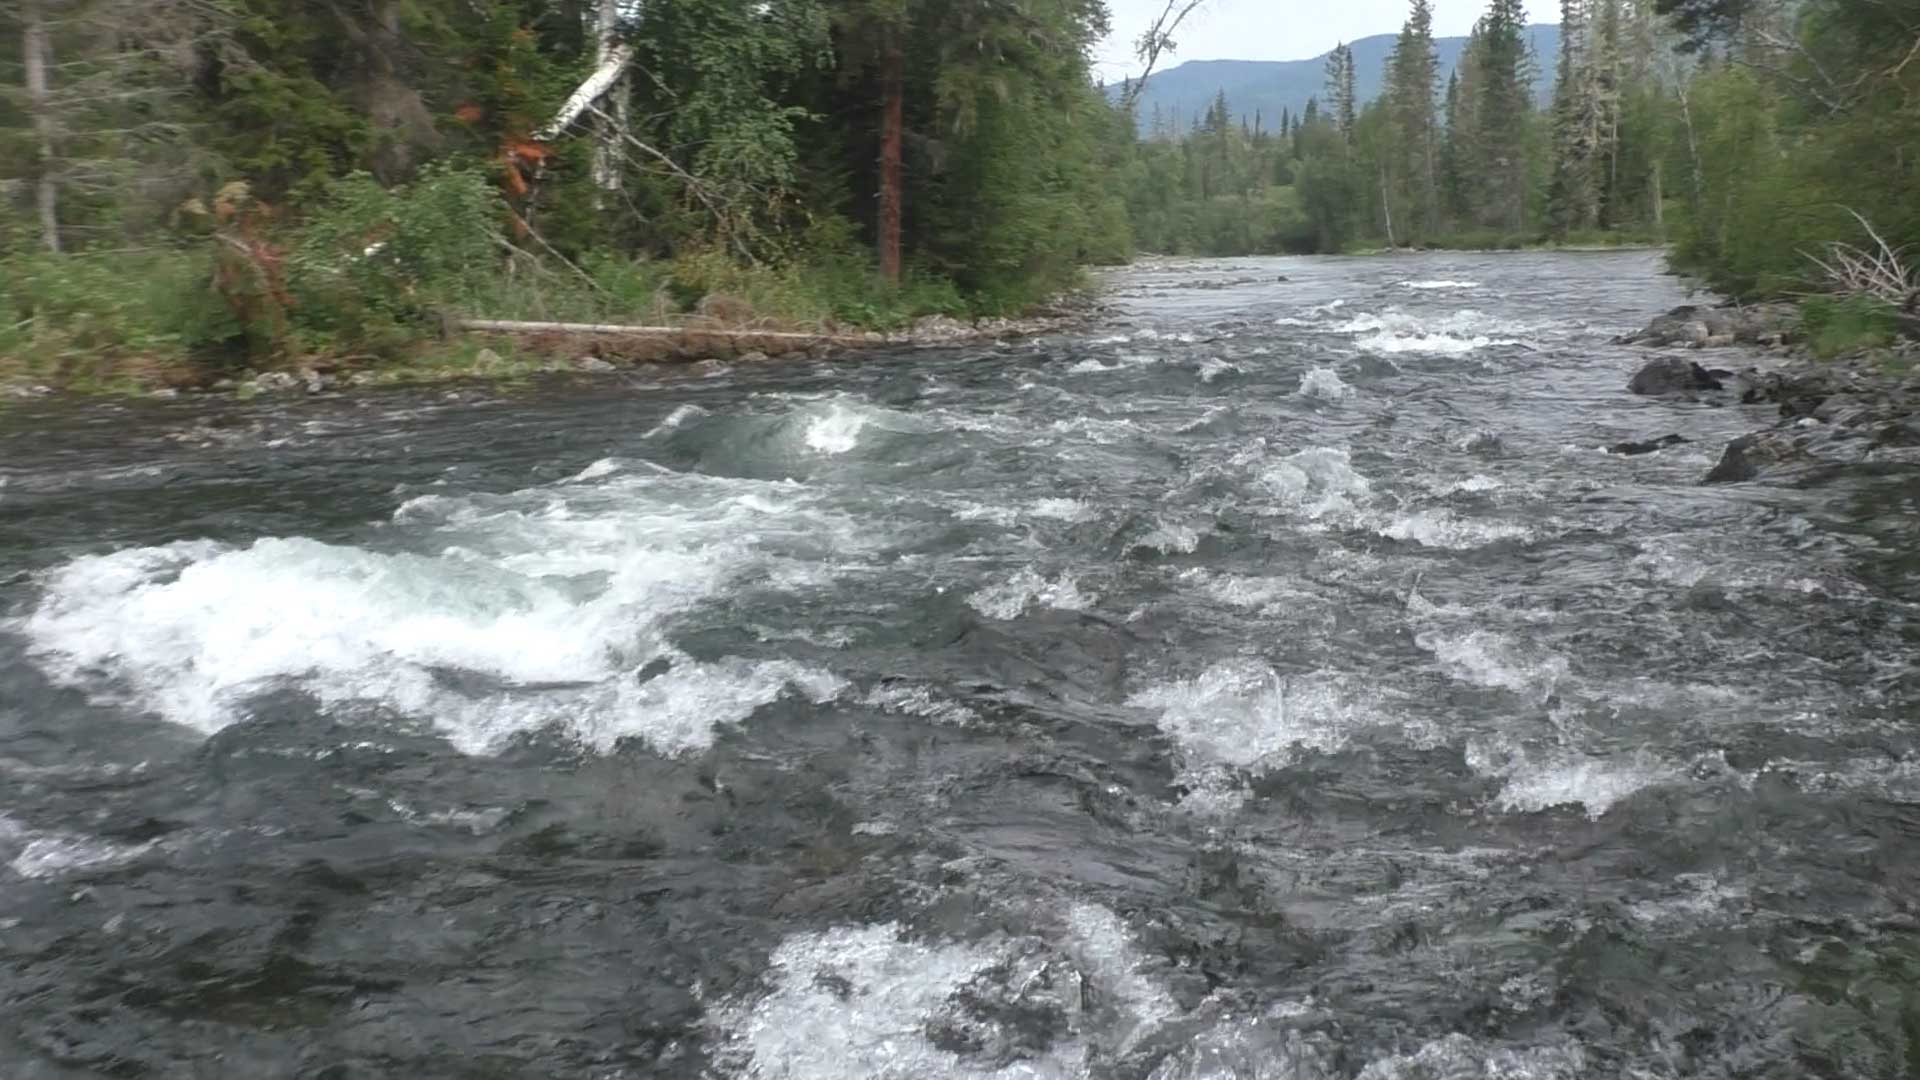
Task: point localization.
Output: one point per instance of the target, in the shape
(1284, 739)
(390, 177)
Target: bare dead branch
(1158, 40)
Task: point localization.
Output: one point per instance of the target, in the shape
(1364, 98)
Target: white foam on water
(1702, 899)
(675, 420)
(872, 1002)
(1098, 430)
(553, 597)
(603, 467)
(1325, 384)
(47, 855)
(1460, 1057)
(1251, 593)
(1214, 367)
(1477, 484)
(1456, 333)
(1440, 283)
(838, 431)
(1056, 509)
(1595, 784)
(1445, 529)
(1244, 715)
(1170, 538)
(1433, 344)
(1486, 658)
(920, 701)
(1314, 483)
(679, 712)
(1009, 599)
(855, 1002)
(1061, 510)
(1103, 952)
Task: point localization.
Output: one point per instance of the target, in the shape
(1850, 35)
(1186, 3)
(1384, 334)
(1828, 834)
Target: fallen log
(512, 326)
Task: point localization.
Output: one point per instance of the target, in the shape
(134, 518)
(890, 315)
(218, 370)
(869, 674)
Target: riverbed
(1276, 680)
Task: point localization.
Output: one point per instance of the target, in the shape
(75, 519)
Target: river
(1276, 681)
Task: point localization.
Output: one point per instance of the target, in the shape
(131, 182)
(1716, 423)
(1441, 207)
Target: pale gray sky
(1279, 29)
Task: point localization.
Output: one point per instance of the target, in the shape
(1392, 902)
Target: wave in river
(526, 611)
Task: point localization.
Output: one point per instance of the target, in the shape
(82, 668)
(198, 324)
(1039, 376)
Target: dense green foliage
(252, 181)
(319, 177)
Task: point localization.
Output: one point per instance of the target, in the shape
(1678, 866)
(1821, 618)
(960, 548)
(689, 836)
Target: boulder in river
(1746, 456)
(1672, 375)
(593, 364)
(1647, 446)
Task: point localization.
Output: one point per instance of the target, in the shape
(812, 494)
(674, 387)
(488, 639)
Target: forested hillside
(1260, 91)
(248, 182)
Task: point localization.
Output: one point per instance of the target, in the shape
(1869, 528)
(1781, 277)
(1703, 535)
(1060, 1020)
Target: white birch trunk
(46, 189)
(610, 129)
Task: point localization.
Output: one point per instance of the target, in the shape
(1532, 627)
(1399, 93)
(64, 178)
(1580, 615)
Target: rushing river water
(1273, 682)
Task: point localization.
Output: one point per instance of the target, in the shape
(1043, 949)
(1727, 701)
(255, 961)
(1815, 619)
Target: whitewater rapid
(1277, 680)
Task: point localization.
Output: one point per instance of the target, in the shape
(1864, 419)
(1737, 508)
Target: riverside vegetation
(197, 188)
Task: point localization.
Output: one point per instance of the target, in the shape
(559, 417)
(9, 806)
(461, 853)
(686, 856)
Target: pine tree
(1571, 199)
(1340, 89)
(1608, 71)
(1412, 77)
(1501, 116)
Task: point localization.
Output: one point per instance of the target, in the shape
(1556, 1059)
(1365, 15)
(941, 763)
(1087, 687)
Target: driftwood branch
(1880, 272)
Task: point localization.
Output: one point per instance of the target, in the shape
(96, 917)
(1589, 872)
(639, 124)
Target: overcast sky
(1278, 29)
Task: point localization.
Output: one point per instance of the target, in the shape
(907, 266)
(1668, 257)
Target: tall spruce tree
(1572, 203)
(1501, 116)
(1412, 78)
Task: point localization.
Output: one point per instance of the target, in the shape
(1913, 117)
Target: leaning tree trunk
(46, 189)
(892, 136)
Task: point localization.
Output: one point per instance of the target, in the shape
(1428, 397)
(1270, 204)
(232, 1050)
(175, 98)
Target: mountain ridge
(1264, 88)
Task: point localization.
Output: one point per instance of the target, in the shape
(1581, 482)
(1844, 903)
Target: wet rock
(315, 382)
(1648, 446)
(1696, 327)
(362, 378)
(754, 357)
(165, 393)
(592, 364)
(1746, 457)
(274, 382)
(1672, 375)
(1901, 432)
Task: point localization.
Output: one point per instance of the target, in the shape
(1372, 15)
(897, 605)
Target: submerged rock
(1746, 456)
(1648, 446)
(1672, 375)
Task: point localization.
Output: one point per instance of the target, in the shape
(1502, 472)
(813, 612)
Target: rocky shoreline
(1856, 410)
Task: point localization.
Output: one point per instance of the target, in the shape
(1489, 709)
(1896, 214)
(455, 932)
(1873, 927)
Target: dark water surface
(1273, 683)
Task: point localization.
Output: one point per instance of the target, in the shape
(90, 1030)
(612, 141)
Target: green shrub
(157, 305)
(1840, 324)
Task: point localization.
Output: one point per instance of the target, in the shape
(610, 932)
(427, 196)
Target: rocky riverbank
(496, 356)
(1858, 410)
